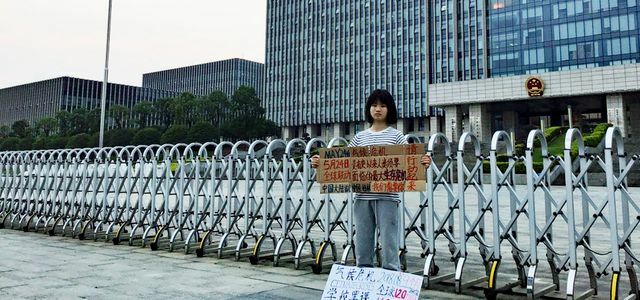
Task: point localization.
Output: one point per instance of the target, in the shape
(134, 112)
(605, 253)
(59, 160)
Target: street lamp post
(103, 102)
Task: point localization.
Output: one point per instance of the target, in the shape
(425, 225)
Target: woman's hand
(315, 161)
(426, 161)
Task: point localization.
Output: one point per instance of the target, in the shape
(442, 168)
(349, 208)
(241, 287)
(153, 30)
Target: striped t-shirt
(388, 136)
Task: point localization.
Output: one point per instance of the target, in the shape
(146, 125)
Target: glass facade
(457, 42)
(323, 58)
(226, 76)
(528, 36)
(36, 100)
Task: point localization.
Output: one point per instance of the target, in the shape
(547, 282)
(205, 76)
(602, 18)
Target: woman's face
(378, 111)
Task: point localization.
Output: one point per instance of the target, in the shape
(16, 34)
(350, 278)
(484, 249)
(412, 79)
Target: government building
(33, 101)
(453, 66)
(36, 100)
(224, 75)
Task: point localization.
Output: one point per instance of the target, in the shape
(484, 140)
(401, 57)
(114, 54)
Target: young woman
(371, 210)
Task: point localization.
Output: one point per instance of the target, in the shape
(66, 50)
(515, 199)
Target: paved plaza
(35, 266)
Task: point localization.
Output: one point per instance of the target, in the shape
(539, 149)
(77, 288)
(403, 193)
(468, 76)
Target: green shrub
(520, 167)
(553, 132)
(56, 142)
(519, 149)
(10, 144)
(201, 132)
(26, 143)
(94, 140)
(550, 134)
(594, 138)
(175, 134)
(40, 143)
(502, 158)
(146, 136)
(120, 137)
(81, 140)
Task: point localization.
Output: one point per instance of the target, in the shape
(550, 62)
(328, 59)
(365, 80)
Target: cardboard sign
(392, 169)
(346, 282)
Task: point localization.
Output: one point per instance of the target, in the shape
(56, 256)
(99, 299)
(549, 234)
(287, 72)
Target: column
(359, 126)
(510, 121)
(309, 129)
(633, 123)
(480, 122)
(453, 122)
(434, 125)
(337, 130)
(400, 126)
(287, 133)
(326, 130)
(616, 113)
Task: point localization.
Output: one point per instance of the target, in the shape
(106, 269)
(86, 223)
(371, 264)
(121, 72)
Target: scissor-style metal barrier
(335, 211)
(252, 208)
(139, 181)
(269, 203)
(43, 177)
(203, 172)
(72, 203)
(312, 206)
(623, 206)
(505, 218)
(260, 200)
(214, 209)
(282, 201)
(460, 222)
(177, 198)
(229, 172)
(158, 187)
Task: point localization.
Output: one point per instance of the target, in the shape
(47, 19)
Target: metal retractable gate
(336, 223)
(281, 202)
(252, 208)
(311, 208)
(531, 223)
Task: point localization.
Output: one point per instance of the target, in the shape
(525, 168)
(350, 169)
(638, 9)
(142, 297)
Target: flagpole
(103, 102)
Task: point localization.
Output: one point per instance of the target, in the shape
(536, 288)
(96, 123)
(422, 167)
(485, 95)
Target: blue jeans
(383, 214)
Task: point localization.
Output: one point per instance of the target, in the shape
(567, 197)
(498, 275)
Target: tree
(64, 122)
(47, 125)
(40, 143)
(95, 140)
(163, 108)
(56, 142)
(146, 136)
(93, 120)
(201, 132)
(119, 114)
(19, 128)
(120, 137)
(80, 140)
(216, 107)
(5, 131)
(199, 109)
(247, 119)
(26, 143)
(175, 134)
(239, 128)
(245, 102)
(143, 111)
(79, 120)
(182, 109)
(10, 144)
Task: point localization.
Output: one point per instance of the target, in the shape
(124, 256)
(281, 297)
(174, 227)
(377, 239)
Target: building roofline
(202, 64)
(78, 78)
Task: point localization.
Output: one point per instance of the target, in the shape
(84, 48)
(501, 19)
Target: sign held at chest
(392, 169)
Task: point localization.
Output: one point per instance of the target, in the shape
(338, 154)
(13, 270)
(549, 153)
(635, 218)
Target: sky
(43, 39)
